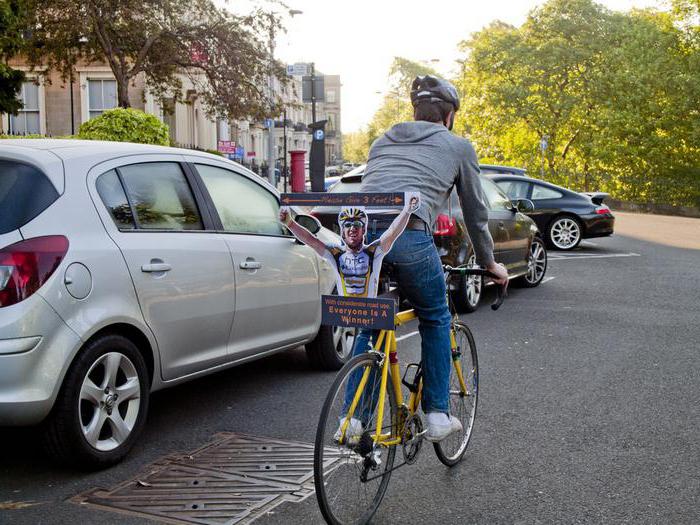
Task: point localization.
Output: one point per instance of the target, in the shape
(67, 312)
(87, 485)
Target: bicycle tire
(331, 458)
(451, 450)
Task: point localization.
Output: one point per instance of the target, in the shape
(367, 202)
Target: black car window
(515, 189)
(112, 194)
(497, 200)
(161, 196)
(243, 205)
(543, 192)
(24, 193)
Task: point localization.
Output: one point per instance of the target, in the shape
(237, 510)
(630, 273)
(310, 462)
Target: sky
(358, 39)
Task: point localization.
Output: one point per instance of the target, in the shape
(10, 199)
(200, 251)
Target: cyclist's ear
(449, 120)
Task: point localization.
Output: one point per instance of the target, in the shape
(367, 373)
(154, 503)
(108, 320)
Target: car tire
(331, 348)
(467, 296)
(564, 232)
(89, 426)
(536, 265)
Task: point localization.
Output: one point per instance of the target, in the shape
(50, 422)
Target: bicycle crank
(412, 438)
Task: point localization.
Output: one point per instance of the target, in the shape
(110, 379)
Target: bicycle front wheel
(352, 471)
(463, 395)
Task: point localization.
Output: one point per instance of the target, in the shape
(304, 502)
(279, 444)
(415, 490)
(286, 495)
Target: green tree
(356, 146)
(225, 56)
(11, 15)
(615, 96)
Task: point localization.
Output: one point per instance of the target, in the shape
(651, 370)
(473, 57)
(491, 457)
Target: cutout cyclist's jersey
(357, 272)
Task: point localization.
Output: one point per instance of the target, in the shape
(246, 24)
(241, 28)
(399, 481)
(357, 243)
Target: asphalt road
(589, 407)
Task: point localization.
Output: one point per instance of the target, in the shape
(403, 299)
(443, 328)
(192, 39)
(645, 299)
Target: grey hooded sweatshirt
(428, 158)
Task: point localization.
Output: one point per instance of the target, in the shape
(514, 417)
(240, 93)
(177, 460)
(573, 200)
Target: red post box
(298, 175)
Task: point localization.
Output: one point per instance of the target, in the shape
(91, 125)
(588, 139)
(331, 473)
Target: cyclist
(423, 156)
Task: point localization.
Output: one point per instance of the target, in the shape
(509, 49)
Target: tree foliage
(126, 125)
(226, 57)
(11, 17)
(615, 96)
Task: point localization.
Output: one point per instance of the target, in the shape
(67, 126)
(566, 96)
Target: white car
(128, 268)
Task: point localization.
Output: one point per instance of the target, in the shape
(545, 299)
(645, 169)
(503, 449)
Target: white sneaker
(440, 426)
(352, 433)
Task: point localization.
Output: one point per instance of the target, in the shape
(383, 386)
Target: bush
(126, 125)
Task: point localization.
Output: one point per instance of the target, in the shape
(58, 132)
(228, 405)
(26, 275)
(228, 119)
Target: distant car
(127, 268)
(564, 216)
(328, 182)
(517, 241)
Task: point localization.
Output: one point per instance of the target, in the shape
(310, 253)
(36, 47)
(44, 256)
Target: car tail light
(25, 266)
(603, 210)
(445, 226)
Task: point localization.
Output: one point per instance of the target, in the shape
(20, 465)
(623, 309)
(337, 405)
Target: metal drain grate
(233, 480)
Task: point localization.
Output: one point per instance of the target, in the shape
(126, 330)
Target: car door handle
(250, 265)
(156, 267)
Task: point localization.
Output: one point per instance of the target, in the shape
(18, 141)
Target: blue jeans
(418, 271)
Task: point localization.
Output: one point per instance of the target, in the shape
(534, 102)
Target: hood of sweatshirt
(414, 131)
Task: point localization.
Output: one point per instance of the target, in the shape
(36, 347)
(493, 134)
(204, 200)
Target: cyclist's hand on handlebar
(500, 272)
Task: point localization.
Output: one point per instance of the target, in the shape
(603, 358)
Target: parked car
(517, 242)
(127, 268)
(328, 182)
(564, 216)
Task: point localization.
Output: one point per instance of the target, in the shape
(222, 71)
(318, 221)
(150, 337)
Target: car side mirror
(524, 205)
(309, 222)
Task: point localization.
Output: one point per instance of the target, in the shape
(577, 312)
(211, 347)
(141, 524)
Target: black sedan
(517, 242)
(563, 215)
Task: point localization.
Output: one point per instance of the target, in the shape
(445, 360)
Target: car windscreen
(24, 193)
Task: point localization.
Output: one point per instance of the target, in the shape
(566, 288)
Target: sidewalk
(679, 232)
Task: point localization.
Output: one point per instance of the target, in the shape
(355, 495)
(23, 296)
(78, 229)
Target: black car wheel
(331, 348)
(564, 233)
(102, 406)
(536, 265)
(468, 293)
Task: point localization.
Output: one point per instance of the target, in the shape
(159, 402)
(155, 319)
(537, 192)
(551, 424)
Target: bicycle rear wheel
(351, 473)
(462, 404)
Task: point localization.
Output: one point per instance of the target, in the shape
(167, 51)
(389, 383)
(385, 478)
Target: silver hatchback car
(126, 269)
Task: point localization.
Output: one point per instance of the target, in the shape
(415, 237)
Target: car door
(512, 237)
(277, 279)
(182, 272)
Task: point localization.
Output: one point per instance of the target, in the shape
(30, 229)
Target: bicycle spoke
(340, 468)
(462, 405)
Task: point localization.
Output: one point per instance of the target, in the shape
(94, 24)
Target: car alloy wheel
(536, 262)
(109, 403)
(565, 233)
(473, 285)
(343, 340)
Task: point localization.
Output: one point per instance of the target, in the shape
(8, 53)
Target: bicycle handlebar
(501, 290)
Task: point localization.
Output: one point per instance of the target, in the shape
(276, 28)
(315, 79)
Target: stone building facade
(49, 109)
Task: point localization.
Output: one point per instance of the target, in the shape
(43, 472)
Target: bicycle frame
(386, 345)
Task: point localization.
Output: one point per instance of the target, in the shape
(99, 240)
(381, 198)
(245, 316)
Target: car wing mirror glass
(524, 205)
(309, 222)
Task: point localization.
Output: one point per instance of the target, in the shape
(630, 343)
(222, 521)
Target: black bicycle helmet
(432, 89)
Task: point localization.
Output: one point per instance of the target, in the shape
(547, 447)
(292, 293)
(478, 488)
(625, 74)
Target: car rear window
(24, 193)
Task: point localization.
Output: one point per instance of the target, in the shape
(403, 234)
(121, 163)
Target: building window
(330, 96)
(102, 95)
(27, 120)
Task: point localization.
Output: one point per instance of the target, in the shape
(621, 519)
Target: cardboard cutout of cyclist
(357, 265)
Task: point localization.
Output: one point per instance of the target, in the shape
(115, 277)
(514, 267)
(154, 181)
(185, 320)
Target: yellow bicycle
(364, 421)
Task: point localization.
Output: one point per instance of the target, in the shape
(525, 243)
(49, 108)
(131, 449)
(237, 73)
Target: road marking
(576, 257)
(406, 336)
(547, 279)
